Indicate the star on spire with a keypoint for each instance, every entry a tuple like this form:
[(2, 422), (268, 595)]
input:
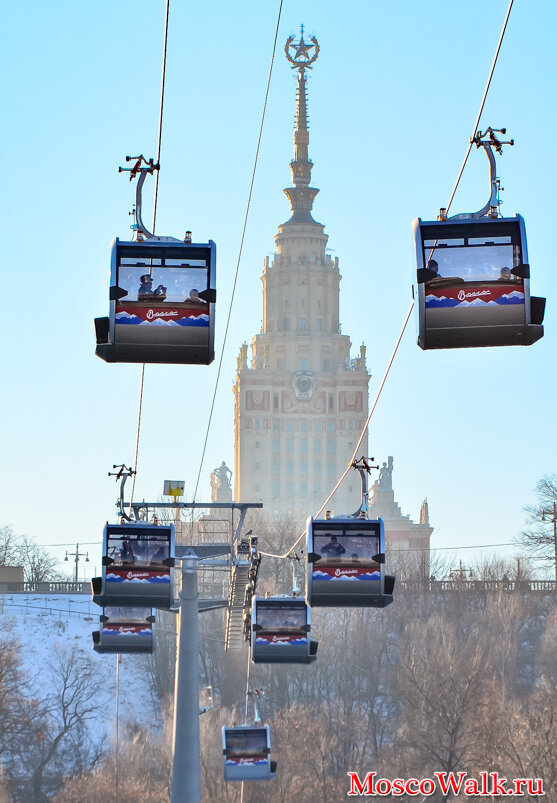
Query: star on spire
[(302, 49), (303, 56)]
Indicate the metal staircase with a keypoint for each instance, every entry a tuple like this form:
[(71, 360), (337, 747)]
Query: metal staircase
[(234, 635)]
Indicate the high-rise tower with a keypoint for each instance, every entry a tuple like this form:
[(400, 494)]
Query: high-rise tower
[(301, 401)]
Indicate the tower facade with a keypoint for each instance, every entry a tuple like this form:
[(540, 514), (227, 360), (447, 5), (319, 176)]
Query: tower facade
[(300, 401)]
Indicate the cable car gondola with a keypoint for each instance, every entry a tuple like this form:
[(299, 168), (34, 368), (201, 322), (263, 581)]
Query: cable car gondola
[(162, 297), (125, 630), (474, 278), (247, 753), (281, 628), (138, 561), (346, 557)]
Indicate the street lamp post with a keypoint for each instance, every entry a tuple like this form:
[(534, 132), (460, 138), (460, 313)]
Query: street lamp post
[(552, 514), (77, 555)]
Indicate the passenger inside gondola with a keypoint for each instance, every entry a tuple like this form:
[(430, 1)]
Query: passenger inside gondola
[(346, 549), (471, 260), (333, 548), (178, 283), (145, 286), (126, 553), (194, 297), (138, 550), (246, 743), (274, 619), (159, 555)]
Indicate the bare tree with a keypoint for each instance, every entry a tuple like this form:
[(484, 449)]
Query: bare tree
[(38, 564), (442, 667), (492, 568), (541, 537), (9, 546), (61, 742), (137, 773), (17, 709)]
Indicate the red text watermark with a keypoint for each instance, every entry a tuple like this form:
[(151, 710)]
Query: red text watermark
[(486, 783)]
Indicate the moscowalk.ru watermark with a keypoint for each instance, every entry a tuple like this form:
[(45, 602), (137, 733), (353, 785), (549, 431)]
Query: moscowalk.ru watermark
[(486, 783)]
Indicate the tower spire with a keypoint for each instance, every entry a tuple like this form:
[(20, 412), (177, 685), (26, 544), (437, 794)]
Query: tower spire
[(301, 195)]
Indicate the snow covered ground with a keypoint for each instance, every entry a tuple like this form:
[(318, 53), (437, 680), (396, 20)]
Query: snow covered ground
[(42, 623)]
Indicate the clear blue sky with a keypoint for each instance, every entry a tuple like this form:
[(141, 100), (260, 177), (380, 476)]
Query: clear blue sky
[(392, 102)]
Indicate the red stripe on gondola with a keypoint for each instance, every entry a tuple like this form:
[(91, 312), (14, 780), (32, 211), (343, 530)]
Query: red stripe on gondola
[(469, 292), (137, 574), (168, 313), (346, 571)]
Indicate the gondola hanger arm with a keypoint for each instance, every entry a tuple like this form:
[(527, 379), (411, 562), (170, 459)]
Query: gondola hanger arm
[(489, 141), (141, 167)]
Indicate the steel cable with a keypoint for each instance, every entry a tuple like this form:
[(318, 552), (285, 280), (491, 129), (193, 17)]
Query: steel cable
[(157, 172), (482, 104), (240, 251)]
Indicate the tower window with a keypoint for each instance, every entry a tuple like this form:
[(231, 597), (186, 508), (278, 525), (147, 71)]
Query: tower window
[(286, 324)]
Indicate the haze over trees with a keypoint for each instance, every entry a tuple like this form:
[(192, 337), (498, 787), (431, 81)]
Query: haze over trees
[(462, 680)]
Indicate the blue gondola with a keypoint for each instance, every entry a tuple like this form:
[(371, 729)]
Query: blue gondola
[(247, 753), (346, 558), (161, 304), (281, 629), (162, 297), (473, 276), (138, 566), (125, 630), (473, 284)]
